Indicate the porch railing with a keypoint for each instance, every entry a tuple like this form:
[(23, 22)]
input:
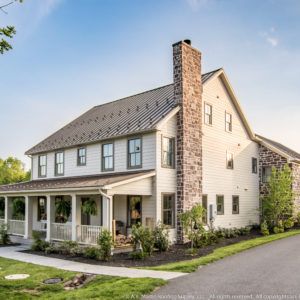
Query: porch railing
[(61, 232), (16, 227), (88, 234)]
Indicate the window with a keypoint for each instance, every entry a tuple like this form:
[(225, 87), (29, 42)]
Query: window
[(135, 153), (207, 114), (235, 205), (266, 174), (168, 210), (228, 122), (134, 210), (108, 157), (204, 205), (220, 205), (42, 209), (59, 163), (254, 165), (42, 166), (229, 160), (168, 152), (81, 157)]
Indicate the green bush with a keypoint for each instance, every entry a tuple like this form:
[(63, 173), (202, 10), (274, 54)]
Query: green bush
[(51, 249), (279, 228), (289, 223), (65, 247), (264, 229), (205, 238), (76, 251), (4, 237), (161, 237), (143, 238), (245, 230), (91, 252), (105, 242), (138, 255), (297, 218), (38, 244)]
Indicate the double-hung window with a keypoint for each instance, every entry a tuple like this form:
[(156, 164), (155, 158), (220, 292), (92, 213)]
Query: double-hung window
[(254, 165), (168, 153), (228, 122), (229, 160), (42, 166), (266, 174), (168, 210), (59, 163), (81, 156), (108, 157), (134, 153), (220, 205), (235, 205), (207, 114)]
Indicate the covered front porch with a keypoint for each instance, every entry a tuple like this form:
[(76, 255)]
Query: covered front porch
[(80, 215)]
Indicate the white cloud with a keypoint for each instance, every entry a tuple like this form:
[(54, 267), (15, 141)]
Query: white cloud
[(46, 7), (270, 37), (273, 41), (196, 4)]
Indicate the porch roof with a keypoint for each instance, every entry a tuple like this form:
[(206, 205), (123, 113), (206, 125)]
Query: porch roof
[(102, 181)]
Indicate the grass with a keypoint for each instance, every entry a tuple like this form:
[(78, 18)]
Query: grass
[(192, 265), (102, 287)]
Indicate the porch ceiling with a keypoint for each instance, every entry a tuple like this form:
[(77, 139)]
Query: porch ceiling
[(103, 181)]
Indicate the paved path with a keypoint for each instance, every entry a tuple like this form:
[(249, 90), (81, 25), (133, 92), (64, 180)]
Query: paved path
[(269, 270), (13, 253)]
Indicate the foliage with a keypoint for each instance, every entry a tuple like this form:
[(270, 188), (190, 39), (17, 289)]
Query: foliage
[(277, 205), (105, 242), (192, 223), (63, 209), (38, 244), (161, 237), (297, 218), (12, 171), (219, 253), (101, 287), (18, 208), (66, 247), (7, 32), (289, 223), (89, 207), (91, 252), (143, 238), (264, 229), (4, 237), (279, 228), (206, 238)]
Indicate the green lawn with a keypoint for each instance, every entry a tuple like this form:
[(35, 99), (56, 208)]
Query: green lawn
[(194, 264), (102, 287)]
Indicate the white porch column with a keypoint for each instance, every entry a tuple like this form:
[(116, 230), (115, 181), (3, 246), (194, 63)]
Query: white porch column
[(50, 216), (7, 210), (74, 217), (106, 213), (28, 217)]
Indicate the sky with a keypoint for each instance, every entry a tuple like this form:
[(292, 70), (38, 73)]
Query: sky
[(70, 55)]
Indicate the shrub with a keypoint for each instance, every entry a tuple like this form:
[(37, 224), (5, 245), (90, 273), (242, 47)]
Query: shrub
[(289, 223), (264, 229), (91, 252), (279, 228), (4, 237), (138, 255), (66, 247), (38, 244), (51, 249), (76, 251), (297, 218), (105, 242), (161, 237), (143, 237)]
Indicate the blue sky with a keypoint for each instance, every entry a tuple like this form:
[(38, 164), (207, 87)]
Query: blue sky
[(70, 55)]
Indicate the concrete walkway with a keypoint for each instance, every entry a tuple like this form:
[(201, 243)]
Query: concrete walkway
[(13, 253)]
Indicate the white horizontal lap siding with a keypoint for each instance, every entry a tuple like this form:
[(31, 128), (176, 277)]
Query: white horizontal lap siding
[(94, 157), (166, 180), (217, 179)]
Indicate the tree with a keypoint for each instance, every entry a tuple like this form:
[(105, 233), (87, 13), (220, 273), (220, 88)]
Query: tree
[(12, 171), (278, 204), (7, 32)]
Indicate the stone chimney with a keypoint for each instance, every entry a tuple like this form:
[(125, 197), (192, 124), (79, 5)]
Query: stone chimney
[(188, 94)]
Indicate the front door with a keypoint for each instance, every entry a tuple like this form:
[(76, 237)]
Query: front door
[(134, 215)]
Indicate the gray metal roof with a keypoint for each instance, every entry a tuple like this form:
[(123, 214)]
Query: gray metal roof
[(92, 181), (130, 115), (289, 152)]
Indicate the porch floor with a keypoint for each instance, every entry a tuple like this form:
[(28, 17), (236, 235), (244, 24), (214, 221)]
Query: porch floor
[(13, 253)]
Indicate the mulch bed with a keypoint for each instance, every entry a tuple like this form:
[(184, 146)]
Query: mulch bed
[(174, 254)]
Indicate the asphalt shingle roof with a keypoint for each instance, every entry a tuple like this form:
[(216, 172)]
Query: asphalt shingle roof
[(92, 181), (130, 115), (291, 153)]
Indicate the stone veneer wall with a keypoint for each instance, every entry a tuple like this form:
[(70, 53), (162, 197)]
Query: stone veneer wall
[(269, 158), (188, 94)]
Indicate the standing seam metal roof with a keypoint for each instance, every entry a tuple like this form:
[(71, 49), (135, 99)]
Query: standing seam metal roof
[(130, 115)]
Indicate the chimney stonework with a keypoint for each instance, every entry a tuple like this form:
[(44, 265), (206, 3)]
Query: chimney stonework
[(188, 94)]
